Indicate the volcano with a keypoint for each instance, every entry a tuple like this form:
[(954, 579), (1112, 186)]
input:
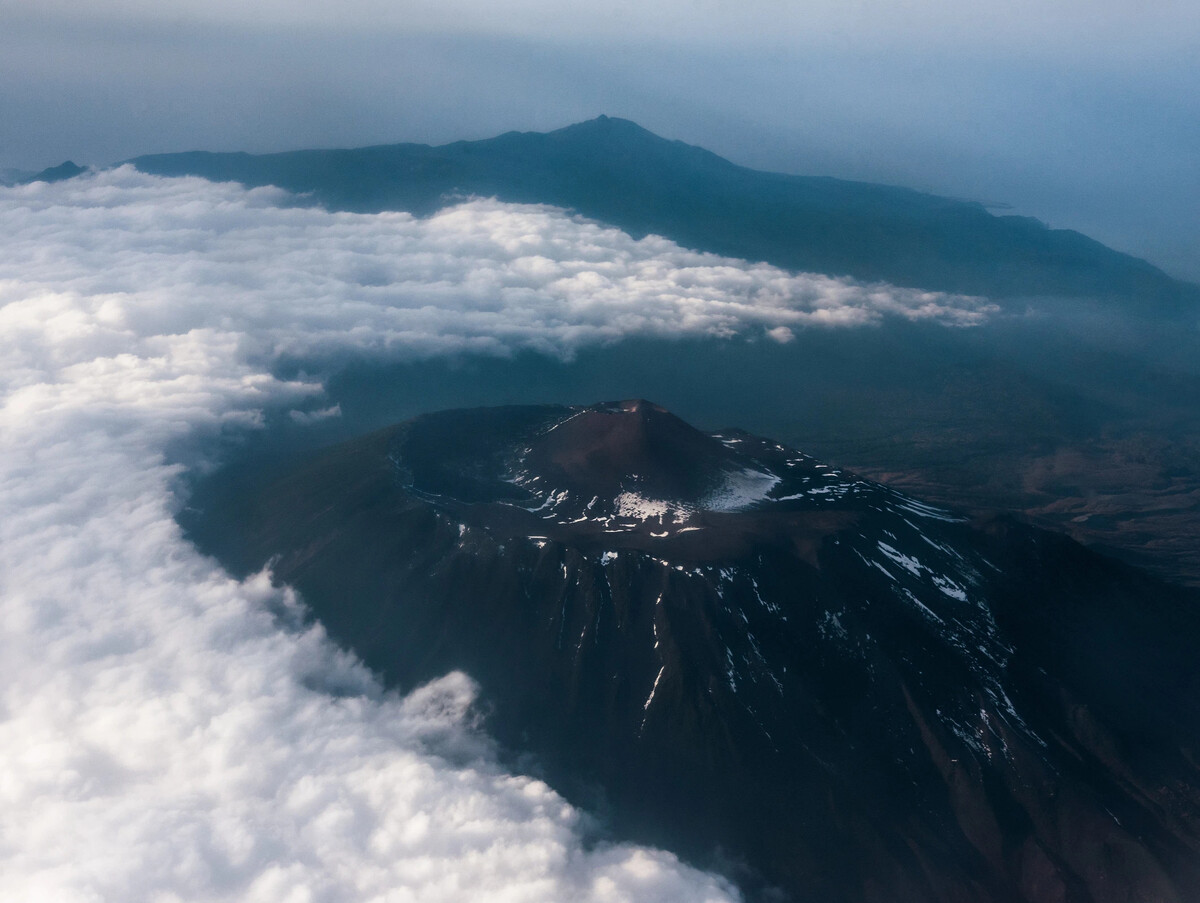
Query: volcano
[(816, 684)]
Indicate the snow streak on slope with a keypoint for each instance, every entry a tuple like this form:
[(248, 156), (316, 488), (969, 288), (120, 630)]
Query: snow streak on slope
[(169, 733)]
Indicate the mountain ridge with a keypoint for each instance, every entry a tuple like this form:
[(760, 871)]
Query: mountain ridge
[(617, 172)]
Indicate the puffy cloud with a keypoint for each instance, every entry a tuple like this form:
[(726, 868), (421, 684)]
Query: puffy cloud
[(147, 257), (169, 733), (166, 732)]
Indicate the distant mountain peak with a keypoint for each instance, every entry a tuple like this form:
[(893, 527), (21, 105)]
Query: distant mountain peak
[(60, 173), (613, 128), (608, 123)]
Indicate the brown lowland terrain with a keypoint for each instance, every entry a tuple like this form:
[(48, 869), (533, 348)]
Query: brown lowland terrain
[(1137, 498)]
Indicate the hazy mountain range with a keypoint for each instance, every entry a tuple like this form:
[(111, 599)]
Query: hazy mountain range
[(614, 171)]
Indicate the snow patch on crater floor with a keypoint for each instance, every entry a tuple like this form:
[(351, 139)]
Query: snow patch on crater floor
[(740, 490), (638, 507)]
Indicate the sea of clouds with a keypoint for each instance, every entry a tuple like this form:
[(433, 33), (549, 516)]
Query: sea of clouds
[(168, 733)]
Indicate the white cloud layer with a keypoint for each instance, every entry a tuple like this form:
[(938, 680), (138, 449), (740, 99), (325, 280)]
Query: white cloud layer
[(162, 736), (130, 256)]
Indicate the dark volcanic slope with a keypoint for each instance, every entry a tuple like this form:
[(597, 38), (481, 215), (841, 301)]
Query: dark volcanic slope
[(818, 683), (617, 172)]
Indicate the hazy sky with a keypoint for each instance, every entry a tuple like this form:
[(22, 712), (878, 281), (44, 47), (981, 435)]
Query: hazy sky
[(1086, 115)]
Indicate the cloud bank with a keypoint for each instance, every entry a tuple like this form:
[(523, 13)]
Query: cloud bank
[(168, 733), (151, 257)]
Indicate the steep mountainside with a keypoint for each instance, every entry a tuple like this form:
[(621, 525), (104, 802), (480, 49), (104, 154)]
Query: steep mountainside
[(617, 172), (825, 687)]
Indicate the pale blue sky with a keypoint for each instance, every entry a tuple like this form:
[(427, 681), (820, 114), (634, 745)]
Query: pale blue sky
[(1085, 115)]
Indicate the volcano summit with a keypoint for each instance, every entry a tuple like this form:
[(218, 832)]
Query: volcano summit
[(817, 684)]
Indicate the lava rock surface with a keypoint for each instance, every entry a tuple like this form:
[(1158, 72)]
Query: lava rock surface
[(821, 686)]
